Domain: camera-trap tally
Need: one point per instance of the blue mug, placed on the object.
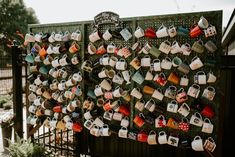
(43, 70)
(91, 94)
(182, 31)
(30, 58)
(138, 78)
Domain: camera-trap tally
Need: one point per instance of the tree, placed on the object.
(14, 20)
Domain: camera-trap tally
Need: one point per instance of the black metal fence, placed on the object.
(5, 75)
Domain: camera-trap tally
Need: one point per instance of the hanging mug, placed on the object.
(210, 31)
(174, 78)
(146, 49)
(186, 49)
(152, 138)
(181, 96)
(145, 61)
(172, 106)
(138, 78)
(150, 105)
(172, 31)
(162, 137)
(211, 78)
(139, 120)
(156, 65)
(94, 36)
(200, 78)
(139, 32)
(162, 32)
(184, 81)
(171, 92)
(121, 64)
(196, 119)
(207, 126)
(139, 105)
(195, 31)
(210, 46)
(135, 63)
(198, 46)
(125, 122)
(184, 110)
(107, 35)
(173, 141)
(125, 33)
(142, 137)
(210, 144)
(184, 125)
(203, 23)
(160, 121)
(196, 63)
(209, 93)
(136, 93)
(105, 131)
(166, 63)
(157, 94)
(108, 115)
(123, 132)
(194, 91)
(197, 144)
(160, 79)
(175, 47)
(165, 47)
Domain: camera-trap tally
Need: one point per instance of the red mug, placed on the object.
(195, 31)
(124, 110)
(150, 33)
(139, 121)
(161, 80)
(142, 137)
(57, 109)
(101, 50)
(77, 127)
(208, 112)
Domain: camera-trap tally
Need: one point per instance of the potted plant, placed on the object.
(25, 148)
(6, 123)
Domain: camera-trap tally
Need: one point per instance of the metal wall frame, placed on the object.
(114, 146)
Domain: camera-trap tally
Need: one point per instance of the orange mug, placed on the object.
(174, 78)
(142, 137)
(74, 48)
(101, 50)
(42, 52)
(148, 90)
(57, 109)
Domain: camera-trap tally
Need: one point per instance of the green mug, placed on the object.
(154, 51)
(30, 58)
(43, 70)
(138, 78)
(91, 94)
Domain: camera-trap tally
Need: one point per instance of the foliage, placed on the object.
(6, 101)
(25, 148)
(14, 20)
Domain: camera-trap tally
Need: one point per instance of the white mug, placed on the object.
(99, 121)
(140, 105)
(103, 73)
(184, 81)
(152, 138)
(136, 93)
(139, 32)
(197, 144)
(157, 94)
(162, 31)
(203, 23)
(166, 63)
(107, 35)
(95, 130)
(200, 78)
(175, 48)
(88, 115)
(173, 141)
(104, 60)
(145, 61)
(118, 92)
(172, 106)
(123, 132)
(106, 84)
(108, 115)
(32, 97)
(51, 39)
(209, 93)
(127, 76)
(93, 37)
(196, 63)
(186, 49)
(121, 64)
(118, 79)
(105, 130)
(148, 76)
(58, 36)
(150, 105)
(147, 47)
(165, 47)
(184, 110)
(162, 138)
(117, 116)
(98, 91)
(77, 35)
(211, 78)
(172, 31)
(194, 91)
(112, 61)
(207, 126)
(91, 48)
(156, 65)
(125, 122)
(89, 124)
(196, 119)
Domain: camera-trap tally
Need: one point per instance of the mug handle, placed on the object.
(186, 105)
(200, 42)
(197, 114)
(141, 115)
(167, 42)
(194, 58)
(161, 133)
(152, 132)
(197, 86)
(174, 102)
(211, 139)
(184, 119)
(173, 87)
(197, 138)
(200, 72)
(161, 116)
(207, 120)
(180, 90)
(162, 26)
(156, 60)
(210, 88)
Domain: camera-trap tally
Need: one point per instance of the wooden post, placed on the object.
(17, 90)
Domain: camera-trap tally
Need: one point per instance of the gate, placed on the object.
(68, 143)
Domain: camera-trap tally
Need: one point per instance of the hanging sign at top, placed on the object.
(106, 17)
